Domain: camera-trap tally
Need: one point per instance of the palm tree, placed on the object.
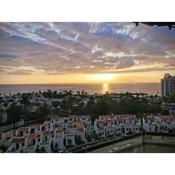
(70, 92)
(78, 93)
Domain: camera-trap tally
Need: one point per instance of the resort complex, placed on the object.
(60, 134)
(68, 121)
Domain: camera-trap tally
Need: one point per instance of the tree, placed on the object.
(25, 99)
(67, 103)
(42, 112)
(14, 113)
(104, 105)
(55, 103)
(3, 148)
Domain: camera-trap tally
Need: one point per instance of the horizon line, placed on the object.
(77, 83)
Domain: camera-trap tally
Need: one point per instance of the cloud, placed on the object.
(64, 48)
(6, 55)
(125, 63)
(142, 70)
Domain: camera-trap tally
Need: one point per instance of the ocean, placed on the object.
(149, 88)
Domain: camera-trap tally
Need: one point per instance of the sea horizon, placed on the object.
(77, 83)
(90, 88)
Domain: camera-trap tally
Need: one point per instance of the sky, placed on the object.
(76, 52)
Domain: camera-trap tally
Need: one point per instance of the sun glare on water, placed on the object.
(105, 88)
(105, 79)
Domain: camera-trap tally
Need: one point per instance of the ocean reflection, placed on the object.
(105, 88)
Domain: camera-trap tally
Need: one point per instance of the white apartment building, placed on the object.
(168, 85)
(64, 132)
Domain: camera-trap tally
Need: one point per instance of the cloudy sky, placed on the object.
(85, 52)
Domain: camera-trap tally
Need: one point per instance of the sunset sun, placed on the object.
(104, 76)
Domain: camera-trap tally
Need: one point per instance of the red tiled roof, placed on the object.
(18, 140)
(72, 126)
(33, 136)
(59, 130)
(13, 131)
(166, 117)
(35, 126)
(23, 129)
(45, 132)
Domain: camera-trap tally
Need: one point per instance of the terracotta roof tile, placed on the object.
(35, 126)
(45, 132)
(33, 136)
(18, 140)
(23, 129)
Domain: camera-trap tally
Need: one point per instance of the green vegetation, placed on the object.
(3, 148)
(127, 105)
(14, 113)
(73, 103)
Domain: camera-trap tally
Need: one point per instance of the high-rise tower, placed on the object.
(168, 85)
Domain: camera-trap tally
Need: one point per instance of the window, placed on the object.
(22, 144)
(17, 146)
(33, 141)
